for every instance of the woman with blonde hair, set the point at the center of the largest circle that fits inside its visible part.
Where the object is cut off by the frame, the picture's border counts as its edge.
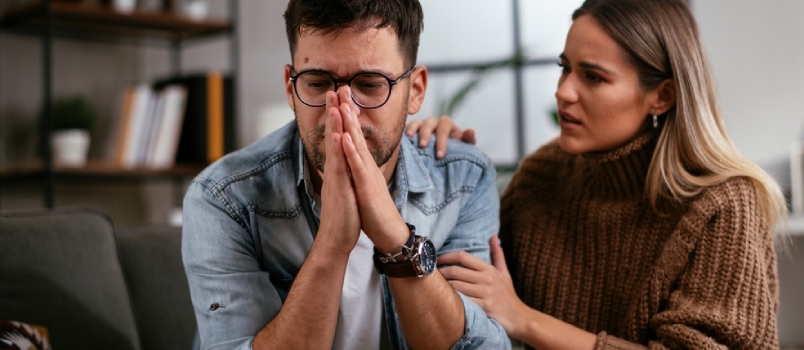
(640, 225)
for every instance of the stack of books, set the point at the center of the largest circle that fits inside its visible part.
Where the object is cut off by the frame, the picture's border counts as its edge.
(186, 120)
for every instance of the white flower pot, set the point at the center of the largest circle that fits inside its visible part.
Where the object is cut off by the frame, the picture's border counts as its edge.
(124, 6)
(70, 147)
(196, 10)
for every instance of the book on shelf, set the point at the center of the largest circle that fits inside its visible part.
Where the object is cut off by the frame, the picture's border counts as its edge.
(124, 126)
(208, 131)
(186, 120)
(149, 126)
(135, 128)
(166, 140)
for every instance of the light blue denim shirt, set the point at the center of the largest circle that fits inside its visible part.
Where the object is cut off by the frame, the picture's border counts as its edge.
(246, 233)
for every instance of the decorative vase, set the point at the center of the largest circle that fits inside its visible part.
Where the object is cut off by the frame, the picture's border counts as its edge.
(70, 147)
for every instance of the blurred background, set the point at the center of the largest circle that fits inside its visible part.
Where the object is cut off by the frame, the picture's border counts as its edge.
(754, 48)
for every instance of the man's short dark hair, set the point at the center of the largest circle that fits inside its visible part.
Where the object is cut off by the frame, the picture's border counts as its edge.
(404, 17)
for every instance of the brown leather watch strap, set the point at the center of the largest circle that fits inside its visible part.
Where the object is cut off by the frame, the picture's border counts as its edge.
(400, 269)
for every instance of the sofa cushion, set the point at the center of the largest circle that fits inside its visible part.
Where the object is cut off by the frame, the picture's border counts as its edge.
(60, 269)
(160, 294)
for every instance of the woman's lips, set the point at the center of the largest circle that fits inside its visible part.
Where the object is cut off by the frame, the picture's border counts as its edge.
(566, 117)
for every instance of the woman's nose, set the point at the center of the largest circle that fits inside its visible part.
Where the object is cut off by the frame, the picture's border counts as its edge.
(566, 90)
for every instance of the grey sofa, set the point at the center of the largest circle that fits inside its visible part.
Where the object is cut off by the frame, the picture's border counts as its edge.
(92, 287)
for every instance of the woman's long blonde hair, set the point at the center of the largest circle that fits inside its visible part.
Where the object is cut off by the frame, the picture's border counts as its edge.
(693, 151)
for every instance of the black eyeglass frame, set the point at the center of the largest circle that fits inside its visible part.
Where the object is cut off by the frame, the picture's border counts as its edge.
(339, 82)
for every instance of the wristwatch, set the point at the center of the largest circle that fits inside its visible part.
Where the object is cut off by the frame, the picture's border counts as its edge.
(417, 258)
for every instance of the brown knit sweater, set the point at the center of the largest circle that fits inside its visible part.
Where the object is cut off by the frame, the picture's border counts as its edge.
(584, 245)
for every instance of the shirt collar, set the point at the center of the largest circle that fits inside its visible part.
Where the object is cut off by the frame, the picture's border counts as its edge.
(297, 151)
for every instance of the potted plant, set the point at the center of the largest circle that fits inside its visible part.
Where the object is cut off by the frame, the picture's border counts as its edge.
(73, 119)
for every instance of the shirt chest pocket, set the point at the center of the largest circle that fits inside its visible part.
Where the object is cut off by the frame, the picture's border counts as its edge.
(285, 241)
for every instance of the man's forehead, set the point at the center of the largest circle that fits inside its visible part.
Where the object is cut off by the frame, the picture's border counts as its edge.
(350, 33)
(349, 51)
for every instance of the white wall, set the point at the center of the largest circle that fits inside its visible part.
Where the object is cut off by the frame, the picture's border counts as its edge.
(756, 50)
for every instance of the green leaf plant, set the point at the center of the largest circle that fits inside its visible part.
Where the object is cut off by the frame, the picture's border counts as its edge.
(72, 113)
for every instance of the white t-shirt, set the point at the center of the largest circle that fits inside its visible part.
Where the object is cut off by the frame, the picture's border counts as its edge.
(360, 314)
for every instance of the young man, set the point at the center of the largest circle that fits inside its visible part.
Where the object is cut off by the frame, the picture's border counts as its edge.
(324, 234)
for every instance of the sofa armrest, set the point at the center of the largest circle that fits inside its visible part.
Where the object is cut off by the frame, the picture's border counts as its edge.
(160, 293)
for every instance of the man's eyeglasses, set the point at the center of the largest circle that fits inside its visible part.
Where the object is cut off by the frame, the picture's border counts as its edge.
(369, 90)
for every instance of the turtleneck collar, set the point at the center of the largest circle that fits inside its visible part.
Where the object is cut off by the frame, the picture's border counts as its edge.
(621, 172)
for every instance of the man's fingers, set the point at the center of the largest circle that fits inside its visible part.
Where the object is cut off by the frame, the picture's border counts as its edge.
(356, 163)
(351, 122)
(353, 128)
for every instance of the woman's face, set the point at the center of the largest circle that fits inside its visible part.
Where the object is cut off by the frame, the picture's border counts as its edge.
(601, 105)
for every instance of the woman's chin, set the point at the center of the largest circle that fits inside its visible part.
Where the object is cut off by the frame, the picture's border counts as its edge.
(571, 144)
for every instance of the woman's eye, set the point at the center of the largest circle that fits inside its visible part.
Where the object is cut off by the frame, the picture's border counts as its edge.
(593, 77)
(564, 67)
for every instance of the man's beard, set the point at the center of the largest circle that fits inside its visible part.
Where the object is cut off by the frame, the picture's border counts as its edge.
(381, 149)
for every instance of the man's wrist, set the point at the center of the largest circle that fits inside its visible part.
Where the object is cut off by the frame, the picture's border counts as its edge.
(399, 249)
(398, 236)
(329, 241)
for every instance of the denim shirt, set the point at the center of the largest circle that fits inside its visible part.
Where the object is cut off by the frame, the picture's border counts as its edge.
(246, 232)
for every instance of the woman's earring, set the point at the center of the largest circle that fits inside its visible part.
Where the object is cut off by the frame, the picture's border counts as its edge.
(655, 121)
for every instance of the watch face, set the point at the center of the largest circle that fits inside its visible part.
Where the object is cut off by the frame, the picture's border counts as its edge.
(427, 257)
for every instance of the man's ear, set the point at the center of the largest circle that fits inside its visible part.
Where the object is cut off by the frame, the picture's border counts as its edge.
(664, 97)
(418, 87)
(289, 88)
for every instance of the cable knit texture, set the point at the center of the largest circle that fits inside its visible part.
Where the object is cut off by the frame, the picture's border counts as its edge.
(584, 245)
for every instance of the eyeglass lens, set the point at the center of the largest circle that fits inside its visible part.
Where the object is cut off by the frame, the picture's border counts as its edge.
(369, 89)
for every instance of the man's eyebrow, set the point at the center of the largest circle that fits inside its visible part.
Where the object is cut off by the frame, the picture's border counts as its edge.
(587, 65)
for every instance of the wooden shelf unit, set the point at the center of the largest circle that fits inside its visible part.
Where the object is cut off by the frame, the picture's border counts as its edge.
(96, 22)
(97, 171)
(49, 19)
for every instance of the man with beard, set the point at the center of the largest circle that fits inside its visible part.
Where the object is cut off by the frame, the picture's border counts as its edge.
(324, 234)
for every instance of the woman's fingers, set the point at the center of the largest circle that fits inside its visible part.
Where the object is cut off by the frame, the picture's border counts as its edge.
(426, 129)
(412, 127)
(469, 289)
(467, 136)
(444, 130)
(464, 259)
(497, 255)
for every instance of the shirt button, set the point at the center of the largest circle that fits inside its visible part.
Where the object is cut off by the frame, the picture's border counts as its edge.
(213, 307)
